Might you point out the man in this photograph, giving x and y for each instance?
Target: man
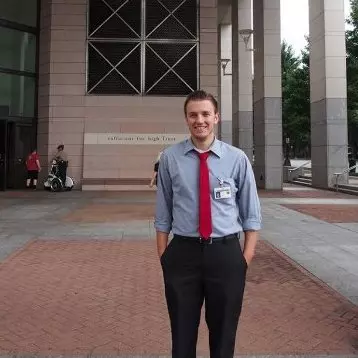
(206, 196)
(61, 157)
(33, 167)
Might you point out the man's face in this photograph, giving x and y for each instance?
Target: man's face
(201, 119)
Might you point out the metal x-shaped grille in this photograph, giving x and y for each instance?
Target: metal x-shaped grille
(114, 13)
(171, 14)
(114, 67)
(143, 47)
(171, 69)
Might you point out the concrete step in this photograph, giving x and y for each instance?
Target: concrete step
(299, 181)
(304, 179)
(347, 186)
(348, 191)
(307, 179)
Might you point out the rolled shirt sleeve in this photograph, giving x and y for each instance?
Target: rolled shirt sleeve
(164, 204)
(247, 197)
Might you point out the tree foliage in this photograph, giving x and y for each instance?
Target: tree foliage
(352, 75)
(296, 90)
(296, 99)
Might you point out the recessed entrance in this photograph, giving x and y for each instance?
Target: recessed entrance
(16, 141)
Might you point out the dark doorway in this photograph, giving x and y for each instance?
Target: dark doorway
(3, 162)
(19, 144)
(16, 142)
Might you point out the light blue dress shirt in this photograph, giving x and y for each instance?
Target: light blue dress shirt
(177, 206)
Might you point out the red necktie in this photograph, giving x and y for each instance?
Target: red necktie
(205, 226)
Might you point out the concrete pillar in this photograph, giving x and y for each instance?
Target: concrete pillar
(226, 86)
(328, 91)
(62, 64)
(242, 117)
(44, 108)
(268, 163)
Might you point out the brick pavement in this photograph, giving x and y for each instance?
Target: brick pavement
(74, 294)
(91, 297)
(312, 193)
(330, 213)
(99, 213)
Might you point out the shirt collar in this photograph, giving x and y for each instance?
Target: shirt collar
(215, 147)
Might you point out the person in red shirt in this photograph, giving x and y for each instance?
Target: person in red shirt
(33, 168)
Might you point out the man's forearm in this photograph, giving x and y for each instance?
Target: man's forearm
(251, 238)
(162, 242)
(152, 180)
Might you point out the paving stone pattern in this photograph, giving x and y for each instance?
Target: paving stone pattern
(99, 213)
(90, 297)
(331, 213)
(79, 277)
(304, 193)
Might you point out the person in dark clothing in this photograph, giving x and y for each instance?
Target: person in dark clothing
(62, 159)
(62, 171)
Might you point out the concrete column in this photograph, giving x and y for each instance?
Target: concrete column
(225, 124)
(61, 102)
(328, 91)
(242, 117)
(44, 108)
(209, 71)
(268, 163)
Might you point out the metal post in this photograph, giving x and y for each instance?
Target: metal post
(287, 162)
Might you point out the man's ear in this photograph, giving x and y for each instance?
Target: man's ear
(217, 119)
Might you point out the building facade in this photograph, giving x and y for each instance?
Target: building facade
(108, 80)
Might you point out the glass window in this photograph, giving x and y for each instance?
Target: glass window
(21, 11)
(18, 50)
(17, 95)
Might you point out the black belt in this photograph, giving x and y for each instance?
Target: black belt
(210, 240)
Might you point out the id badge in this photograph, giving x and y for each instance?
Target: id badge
(223, 192)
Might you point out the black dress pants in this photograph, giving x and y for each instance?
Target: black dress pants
(194, 273)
